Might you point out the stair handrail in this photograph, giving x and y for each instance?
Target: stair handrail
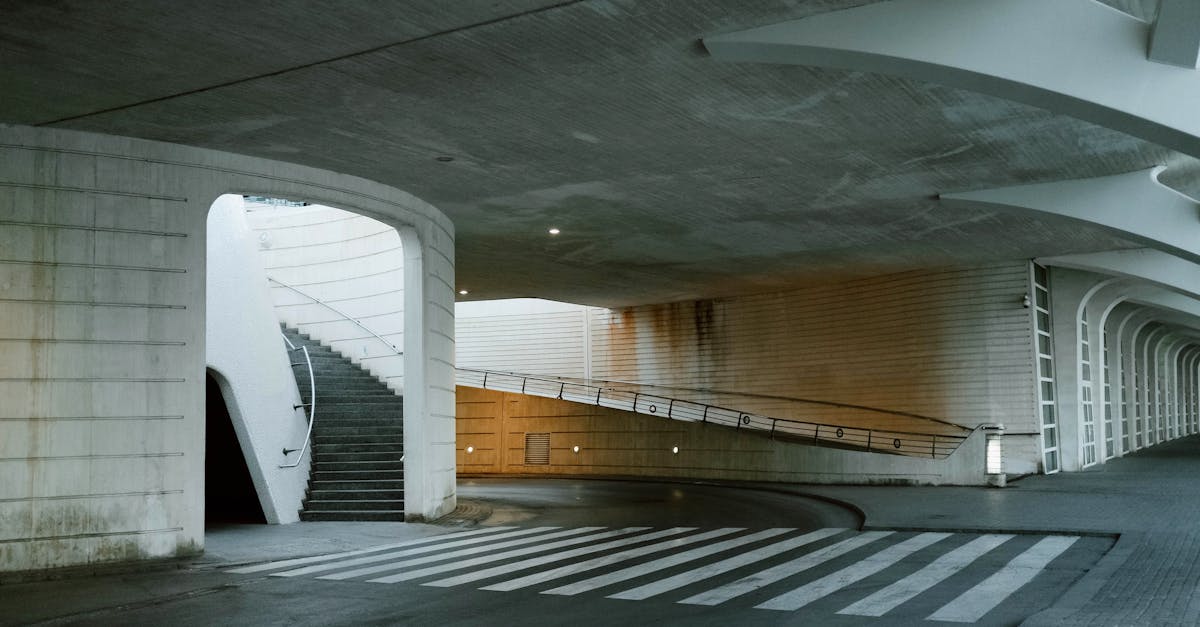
(312, 404)
(910, 443)
(338, 312)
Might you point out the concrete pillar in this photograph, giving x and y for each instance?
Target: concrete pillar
(102, 315)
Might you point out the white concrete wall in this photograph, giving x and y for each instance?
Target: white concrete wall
(525, 335)
(102, 298)
(953, 344)
(353, 263)
(247, 353)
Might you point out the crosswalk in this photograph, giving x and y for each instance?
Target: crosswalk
(961, 576)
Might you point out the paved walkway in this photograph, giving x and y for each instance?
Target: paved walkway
(1151, 498)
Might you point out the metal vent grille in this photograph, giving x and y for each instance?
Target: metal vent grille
(537, 448)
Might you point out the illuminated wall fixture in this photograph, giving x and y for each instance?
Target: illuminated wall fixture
(1025, 301)
(575, 449)
(463, 292)
(470, 449)
(675, 450)
(554, 230)
(994, 454)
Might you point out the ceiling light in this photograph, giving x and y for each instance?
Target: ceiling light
(554, 231)
(675, 450)
(575, 448)
(470, 449)
(463, 292)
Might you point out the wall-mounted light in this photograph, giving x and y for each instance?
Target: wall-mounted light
(464, 292)
(575, 449)
(675, 450)
(554, 230)
(470, 449)
(1025, 301)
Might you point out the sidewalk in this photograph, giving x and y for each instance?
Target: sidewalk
(1151, 498)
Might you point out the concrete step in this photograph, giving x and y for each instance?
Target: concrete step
(378, 515)
(359, 418)
(321, 466)
(322, 430)
(357, 456)
(335, 476)
(351, 504)
(339, 398)
(326, 440)
(358, 447)
(324, 495)
(361, 485)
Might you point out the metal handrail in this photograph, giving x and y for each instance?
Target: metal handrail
(312, 404)
(338, 312)
(890, 441)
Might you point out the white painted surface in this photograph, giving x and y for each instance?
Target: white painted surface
(417, 561)
(547, 559)
(654, 566)
(606, 560)
(353, 263)
(712, 570)
(245, 349)
(1076, 57)
(979, 600)
(103, 423)
(479, 561)
(764, 578)
(858, 571)
(937, 571)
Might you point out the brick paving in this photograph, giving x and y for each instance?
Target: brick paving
(1150, 498)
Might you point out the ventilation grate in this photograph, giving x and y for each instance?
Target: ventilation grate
(537, 449)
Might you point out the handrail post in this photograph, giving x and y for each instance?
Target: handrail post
(869, 440)
(817, 434)
(485, 374)
(933, 446)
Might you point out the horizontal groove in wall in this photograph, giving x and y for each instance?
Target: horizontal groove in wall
(98, 534)
(101, 229)
(91, 266)
(80, 303)
(89, 380)
(88, 190)
(345, 279)
(79, 457)
(88, 418)
(77, 497)
(338, 260)
(336, 242)
(274, 227)
(333, 301)
(61, 340)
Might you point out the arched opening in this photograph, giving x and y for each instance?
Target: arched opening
(306, 324)
(229, 494)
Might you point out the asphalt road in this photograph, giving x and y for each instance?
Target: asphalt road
(581, 552)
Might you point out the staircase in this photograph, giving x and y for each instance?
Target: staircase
(358, 439)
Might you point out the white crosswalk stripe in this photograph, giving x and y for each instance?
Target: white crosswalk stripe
(974, 603)
(308, 570)
(548, 559)
(936, 572)
(783, 571)
(867, 574)
(829, 584)
(712, 570)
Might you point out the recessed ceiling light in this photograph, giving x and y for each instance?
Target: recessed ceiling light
(463, 292)
(444, 159)
(554, 231)
(470, 449)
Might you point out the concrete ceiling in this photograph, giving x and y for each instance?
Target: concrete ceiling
(671, 176)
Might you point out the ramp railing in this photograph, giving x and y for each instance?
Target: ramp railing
(833, 424)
